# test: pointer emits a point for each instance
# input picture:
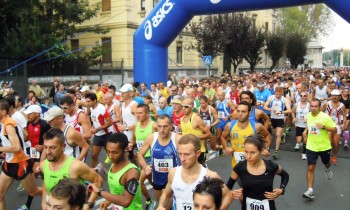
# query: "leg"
(335, 144)
(310, 175)
(143, 186)
(278, 132)
(94, 156)
(5, 182)
(30, 186)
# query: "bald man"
(190, 93)
(164, 108)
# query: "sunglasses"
(186, 106)
(303, 95)
(64, 107)
(173, 90)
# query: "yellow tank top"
(238, 136)
(187, 128)
(165, 92)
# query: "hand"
(319, 125)
(86, 207)
(122, 127)
(237, 194)
(93, 188)
(274, 194)
(39, 148)
(130, 147)
(228, 151)
(93, 130)
(293, 121)
(148, 170)
(342, 127)
(104, 205)
(265, 152)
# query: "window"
(74, 44)
(179, 53)
(107, 49)
(106, 5)
(143, 5)
(266, 26)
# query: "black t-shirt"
(345, 102)
(254, 186)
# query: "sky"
(339, 37)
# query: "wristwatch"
(100, 191)
(324, 127)
(90, 204)
(283, 191)
(127, 129)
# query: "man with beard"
(58, 166)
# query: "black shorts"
(19, 170)
(100, 141)
(313, 156)
(277, 123)
(299, 131)
(202, 158)
(158, 187)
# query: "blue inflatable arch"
(169, 17)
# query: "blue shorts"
(222, 124)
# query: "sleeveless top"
(13, 157)
(321, 93)
(117, 189)
(335, 113)
(183, 192)
(163, 159)
(73, 121)
(176, 122)
(155, 98)
(114, 127)
(207, 118)
(223, 110)
(141, 134)
(69, 150)
(278, 105)
(238, 136)
(252, 115)
(187, 128)
(300, 114)
(234, 97)
(128, 118)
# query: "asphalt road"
(329, 194)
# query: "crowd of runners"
(162, 133)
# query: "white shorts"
(339, 130)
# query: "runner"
(177, 114)
(113, 111)
(345, 99)
(318, 143)
(182, 180)
(57, 166)
(164, 108)
(153, 111)
(208, 194)
(256, 177)
(123, 176)
(261, 95)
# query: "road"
(330, 194)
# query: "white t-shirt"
(98, 117)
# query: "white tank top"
(155, 98)
(69, 150)
(114, 127)
(73, 121)
(183, 192)
(128, 118)
(321, 93)
(277, 105)
(301, 114)
(335, 113)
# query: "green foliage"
(296, 49)
(275, 43)
(256, 41)
(310, 21)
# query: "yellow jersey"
(187, 128)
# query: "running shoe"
(346, 147)
(20, 187)
(283, 138)
(340, 143)
(334, 160)
(309, 194)
(303, 156)
(275, 155)
(298, 146)
(329, 173)
(150, 205)
(24, 207)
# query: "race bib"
(139, 144)
(260, 102)
(35, 154)
(253, 204)
(221, 115)
(314, 130)
(117, 207)
(239, 156)
(207, 122)
(163, 165)
(184, 205)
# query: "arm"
(85, 122)
(77, 139)
(344, 118)
(203, 127)
(215, 116)
(261, 115)
(267, 138)
(141, 155)
(294, 114)
(167, 193)
(224, 136)
(117, 113)
(13, 138)
(288, 109)
(279, 191)
(44, 193)
(153, 108)
(266, 106)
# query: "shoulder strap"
(253, 124)
(233, 123)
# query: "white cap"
(335, 93)
(84, 88)
(33, 108)
(169, 83)
(52, 113)
(126, 88)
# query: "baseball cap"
(52, 113)
(126, 88)
(335, 93)
(84, 88)
(177, 99)
(33, 109)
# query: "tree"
(275, 43)
(238, 25)
(296, 49)
(309, 20)
(255, 41)
(32, 27)
(209, 35)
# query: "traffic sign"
(207, 60)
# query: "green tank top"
(152, 112)
(117, 189)
(51, 178)
(141, 134)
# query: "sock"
(346, 137)
(29, 201)
(310, 189)
(304, 148)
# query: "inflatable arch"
(169, 17)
